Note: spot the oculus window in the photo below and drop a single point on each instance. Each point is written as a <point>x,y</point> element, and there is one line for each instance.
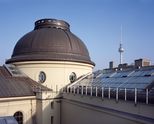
<point>42,77</point>
<point>72,77</point>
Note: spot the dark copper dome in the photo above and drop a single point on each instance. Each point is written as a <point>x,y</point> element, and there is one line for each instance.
<point>51,40</point>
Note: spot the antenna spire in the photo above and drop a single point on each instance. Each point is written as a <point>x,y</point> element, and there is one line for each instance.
<point>121,49</point>
<point>121,35</point>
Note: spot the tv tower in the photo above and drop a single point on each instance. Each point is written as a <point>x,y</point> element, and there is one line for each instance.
<point>121,49</point>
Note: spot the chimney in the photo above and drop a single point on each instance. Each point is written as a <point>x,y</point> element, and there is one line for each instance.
<point>122,66</point>
<point>142,62</point>
<point>111,65</point>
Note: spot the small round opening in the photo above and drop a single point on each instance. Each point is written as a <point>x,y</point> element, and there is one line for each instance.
<point>72,77</point>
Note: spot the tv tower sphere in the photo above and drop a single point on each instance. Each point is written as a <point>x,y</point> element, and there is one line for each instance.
<point>121,49</point>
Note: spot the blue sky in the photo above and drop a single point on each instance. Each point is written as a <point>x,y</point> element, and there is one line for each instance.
<point>96,22</point>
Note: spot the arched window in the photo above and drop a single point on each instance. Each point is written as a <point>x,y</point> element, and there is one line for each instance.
<point>72,77</point>
<point>19,117</point>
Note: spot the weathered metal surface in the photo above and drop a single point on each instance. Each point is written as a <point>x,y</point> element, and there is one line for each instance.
<point>50,40</point>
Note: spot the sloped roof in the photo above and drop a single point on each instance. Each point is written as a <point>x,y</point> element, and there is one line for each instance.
<point>134,78</point>
<point>133,84</point>
<point>11,86</point>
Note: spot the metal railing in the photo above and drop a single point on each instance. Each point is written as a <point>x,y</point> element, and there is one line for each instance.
<point>126,94</point>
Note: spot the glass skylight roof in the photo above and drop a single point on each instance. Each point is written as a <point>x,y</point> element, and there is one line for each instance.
<point>139,78</point>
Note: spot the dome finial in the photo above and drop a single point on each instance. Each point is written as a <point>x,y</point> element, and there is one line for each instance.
<point>54,23</point>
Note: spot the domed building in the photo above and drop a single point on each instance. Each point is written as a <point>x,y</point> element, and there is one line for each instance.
<point>51,54</point>
<point>44,61</point>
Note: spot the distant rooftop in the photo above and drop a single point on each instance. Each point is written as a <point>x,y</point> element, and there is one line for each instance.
<point>139,63</point>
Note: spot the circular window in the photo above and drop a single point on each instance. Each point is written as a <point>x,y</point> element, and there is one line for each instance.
<point>42,77</point>
<point>72,77</point>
